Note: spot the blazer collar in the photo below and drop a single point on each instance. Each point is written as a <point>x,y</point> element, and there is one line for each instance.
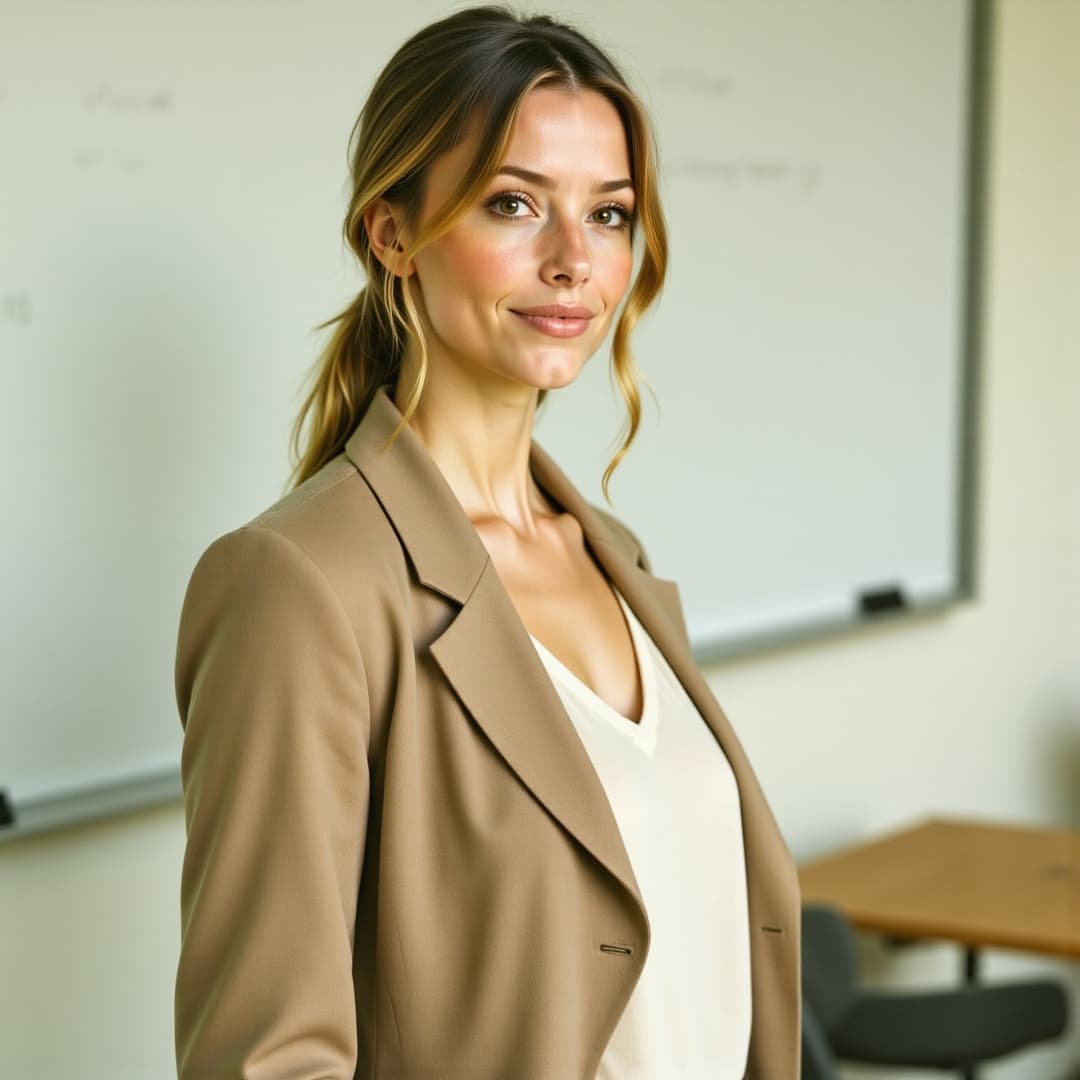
<point>442,543</point>
<point>486,653</point>
<point>445,549</point>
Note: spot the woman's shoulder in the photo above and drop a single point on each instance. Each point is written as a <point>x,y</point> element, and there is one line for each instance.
<point>332,523</point>
<point>331,510</point>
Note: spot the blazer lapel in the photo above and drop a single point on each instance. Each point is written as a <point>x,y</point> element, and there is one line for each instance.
<point>485,651</point>
<point>494,668</point>
<point>487,656</point>
<point>655,601</point>
<point>771,878</point>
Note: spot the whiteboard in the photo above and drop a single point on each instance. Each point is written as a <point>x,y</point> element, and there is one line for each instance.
<point>171,195</point>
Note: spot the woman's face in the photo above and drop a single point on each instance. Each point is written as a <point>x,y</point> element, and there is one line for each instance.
<point>523,288</point>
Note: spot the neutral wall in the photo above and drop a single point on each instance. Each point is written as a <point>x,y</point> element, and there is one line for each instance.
<point>976,712</point>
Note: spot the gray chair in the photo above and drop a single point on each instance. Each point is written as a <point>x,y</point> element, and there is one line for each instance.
<point>949,1029</point>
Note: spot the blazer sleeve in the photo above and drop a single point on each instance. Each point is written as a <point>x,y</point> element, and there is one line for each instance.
<point>274,704</point>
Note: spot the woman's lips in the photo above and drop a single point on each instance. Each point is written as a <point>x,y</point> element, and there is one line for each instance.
<point>556,320</point>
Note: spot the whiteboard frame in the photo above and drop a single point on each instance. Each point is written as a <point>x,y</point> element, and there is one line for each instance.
<point>130,793</point>
<point>711,652</point>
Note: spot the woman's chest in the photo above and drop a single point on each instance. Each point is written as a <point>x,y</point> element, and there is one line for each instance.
<point>566,602</point>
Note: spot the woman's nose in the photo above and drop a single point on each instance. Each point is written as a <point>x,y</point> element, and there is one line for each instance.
<point>567,262</point>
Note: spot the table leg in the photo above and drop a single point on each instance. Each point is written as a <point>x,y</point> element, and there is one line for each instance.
<point>971,965</point>
<point>971,976</point>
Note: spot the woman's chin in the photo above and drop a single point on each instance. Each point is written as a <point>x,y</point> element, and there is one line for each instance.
<point>556,376</point>
<point>557,383</point>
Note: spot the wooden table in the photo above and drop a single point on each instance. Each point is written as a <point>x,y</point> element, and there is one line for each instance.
<point>977,884</point>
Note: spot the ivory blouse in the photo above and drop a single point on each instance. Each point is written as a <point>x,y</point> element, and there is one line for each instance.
<point>676,803</point>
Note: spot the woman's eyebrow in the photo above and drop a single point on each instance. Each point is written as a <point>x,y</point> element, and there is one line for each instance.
<point>549,182</point>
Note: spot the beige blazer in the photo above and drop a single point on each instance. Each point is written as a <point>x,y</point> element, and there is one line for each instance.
<point>400,862</point>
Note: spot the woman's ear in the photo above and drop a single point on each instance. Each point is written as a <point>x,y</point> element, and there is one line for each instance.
<point>384,228</point>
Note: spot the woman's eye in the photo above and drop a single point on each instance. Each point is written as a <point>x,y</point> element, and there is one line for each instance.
<point>613,217</point>
<point>509,206</point>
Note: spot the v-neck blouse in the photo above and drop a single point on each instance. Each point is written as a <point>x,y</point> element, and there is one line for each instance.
<point>642,733</point>
<point>675,800</point>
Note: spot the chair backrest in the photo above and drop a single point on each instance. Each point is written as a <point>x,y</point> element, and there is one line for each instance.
<point>950,1029</point>
<point>829,964</point>
<point>818,1062</point>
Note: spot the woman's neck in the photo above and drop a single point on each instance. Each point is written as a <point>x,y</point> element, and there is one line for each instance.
<point>480,438</point>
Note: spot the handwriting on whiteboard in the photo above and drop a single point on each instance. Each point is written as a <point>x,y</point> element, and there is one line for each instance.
<point>747,172</point>
<point>119,105</point>
<point>89,158</point>
<point>15,309</point>
<point>107,98</point>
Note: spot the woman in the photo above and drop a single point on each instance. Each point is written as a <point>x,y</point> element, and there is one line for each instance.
<point>459,803</point>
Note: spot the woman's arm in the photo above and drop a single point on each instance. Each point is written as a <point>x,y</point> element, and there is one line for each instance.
<point>272,695</point>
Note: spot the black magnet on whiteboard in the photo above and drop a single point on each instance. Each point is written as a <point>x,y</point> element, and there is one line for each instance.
<point>882,601</point>
<point>7,811</point>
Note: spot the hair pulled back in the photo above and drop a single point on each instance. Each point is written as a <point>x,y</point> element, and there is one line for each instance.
<point>473,66</point>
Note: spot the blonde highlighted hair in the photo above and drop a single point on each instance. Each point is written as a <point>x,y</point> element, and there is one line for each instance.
<point>473,67</point>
